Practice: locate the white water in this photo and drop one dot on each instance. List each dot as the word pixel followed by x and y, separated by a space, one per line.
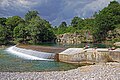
pixel 30 54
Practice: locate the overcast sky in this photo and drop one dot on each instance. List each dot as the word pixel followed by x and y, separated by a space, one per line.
pixel 55 11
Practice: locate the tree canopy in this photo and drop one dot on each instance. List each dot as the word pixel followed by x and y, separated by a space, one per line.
pixel 106 20
pixel 31 30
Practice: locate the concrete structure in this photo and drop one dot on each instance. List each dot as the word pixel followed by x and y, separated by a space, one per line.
pixel 30 54
pixel 75 55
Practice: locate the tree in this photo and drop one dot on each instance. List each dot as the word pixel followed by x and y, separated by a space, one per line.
pixel 77 23
pixel 62 28
pixel 11 23
pixel 39 32
pixel 20 33
pixel 2 21
pixel 89 24
pixel 30 15
pixel 63 25
pixel 3 34
pixel 33 30
pixel 106 20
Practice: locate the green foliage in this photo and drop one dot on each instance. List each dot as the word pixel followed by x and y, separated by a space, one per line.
pixel 62 28
pixel 106 20
pixel 33 30
pixel 3 34
pixel 30 15
pixel 77 23
pixel 20 33
pixel 63 25
pixel 2 21
pixel 40 31
pixel 89 25
pixel 70 29
pixel 12 22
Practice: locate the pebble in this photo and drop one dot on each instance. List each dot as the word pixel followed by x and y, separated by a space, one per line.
pixel 95 72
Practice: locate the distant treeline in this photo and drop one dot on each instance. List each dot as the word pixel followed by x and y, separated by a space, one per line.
pixel 32 29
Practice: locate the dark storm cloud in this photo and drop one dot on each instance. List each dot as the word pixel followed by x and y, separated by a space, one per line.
pixel 54 11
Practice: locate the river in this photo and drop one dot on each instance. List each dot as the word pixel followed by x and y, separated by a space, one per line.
pixel 13 63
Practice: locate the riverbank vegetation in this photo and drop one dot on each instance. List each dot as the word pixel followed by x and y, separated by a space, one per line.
pixel 32 29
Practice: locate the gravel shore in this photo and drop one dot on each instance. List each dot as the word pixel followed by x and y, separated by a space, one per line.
pixel 108 71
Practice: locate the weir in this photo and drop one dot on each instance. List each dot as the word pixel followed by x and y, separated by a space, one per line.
pixel 30 54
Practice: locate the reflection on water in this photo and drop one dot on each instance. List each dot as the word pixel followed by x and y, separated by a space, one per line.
pixel 12 63
pixel 81 45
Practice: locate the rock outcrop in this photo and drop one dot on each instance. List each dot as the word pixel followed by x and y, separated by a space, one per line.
pixel 73 38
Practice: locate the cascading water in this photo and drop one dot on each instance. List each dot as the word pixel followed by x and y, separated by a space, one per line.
pixel 30 54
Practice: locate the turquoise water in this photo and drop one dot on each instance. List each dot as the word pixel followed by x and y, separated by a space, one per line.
pixel 12 63
pixel 81 45
pixel 91 45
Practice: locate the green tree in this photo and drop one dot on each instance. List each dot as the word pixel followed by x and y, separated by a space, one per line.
pixel 62 28
pixel 2 21
pixel 3 34
pixel 11 23
pixel 106 20
pixel 33 30
pixel 70 29
pixel 20 33
pixel 77 23
pixel 63 25
pixel 30 15
pixel 39 32
pixel 89 25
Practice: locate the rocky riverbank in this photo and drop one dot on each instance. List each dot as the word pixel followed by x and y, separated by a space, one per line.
pixel 108 71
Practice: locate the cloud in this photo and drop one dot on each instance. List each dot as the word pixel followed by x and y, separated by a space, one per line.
pixel 70 9
pixel 93 7
pixel 54 11
pixel 15 7
pixel 81 8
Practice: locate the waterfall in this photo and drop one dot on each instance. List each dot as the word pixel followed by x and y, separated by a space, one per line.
pixel 30 54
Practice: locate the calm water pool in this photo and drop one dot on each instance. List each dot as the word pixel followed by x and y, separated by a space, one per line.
pixel 81 45
pixel 9 62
